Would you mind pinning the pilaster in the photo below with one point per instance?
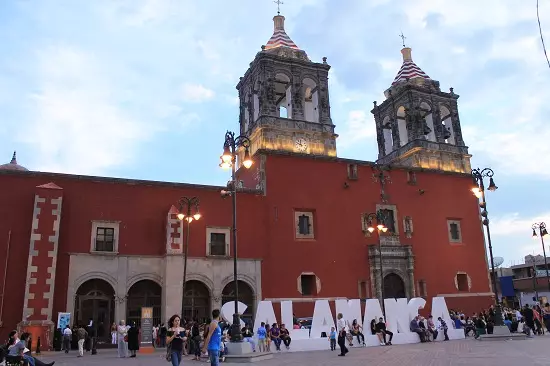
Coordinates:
(173, 285)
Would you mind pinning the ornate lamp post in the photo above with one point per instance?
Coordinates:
(541, 227)
(186, 204)
(229, 160)
(378, 219)
(478, 188)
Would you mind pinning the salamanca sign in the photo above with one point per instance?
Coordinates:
(399, 313)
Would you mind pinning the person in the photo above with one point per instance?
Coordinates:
(247, 336)
(262, 334)
(415, 328)
(268, 338)
(122, 334)
(382, 332)
(276, 336)
(213, 340)
(529, 317)
(332, 339)
(113, 333)
(357, 331)
(67, 334)
(18, 349)
(196, 340)
(341, 328)
(285, 336)
(432, 328)
(442, 325)
(133, 339)
(174, 339)
(81, 334)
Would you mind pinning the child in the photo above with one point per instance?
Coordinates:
(262, 334)
(443, 327)
(332, 339)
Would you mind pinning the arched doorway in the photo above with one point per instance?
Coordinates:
(95, 299)
(196, 301)
(246, 296)
(145, 293)
(394, 287)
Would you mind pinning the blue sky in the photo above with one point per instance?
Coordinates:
(146, 88)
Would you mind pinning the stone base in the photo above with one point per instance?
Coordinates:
(239, 348)
(38, 328)
(502, 333)
(249, 358)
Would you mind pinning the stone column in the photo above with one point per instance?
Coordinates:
(173, 285)
(38, 318)
(121, 290)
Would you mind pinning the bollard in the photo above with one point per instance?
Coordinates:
(38, 346)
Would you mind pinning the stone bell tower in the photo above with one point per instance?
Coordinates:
(284, 99)
(418, 124)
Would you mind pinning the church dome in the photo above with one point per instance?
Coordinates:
(12, 165)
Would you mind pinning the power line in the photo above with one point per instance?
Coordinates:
(541, 36)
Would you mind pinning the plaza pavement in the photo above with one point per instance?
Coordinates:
(531, 352)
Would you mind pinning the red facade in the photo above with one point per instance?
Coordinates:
(338, 254)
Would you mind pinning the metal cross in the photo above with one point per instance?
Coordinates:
(403, 38)
(278, 2)
(379, 176)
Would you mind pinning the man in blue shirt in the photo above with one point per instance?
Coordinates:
(213, 340)
(262, 334)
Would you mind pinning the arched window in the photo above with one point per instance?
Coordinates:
(246, 296)
(311, 100)
(196, 301)
(95, 300)
(283, 95)
(145, 293)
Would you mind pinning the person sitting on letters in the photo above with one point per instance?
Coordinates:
(416, 329)
(247, 336)
(285, 336)
(382, 331)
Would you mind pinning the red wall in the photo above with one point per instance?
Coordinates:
(142, 209)
(339, 254)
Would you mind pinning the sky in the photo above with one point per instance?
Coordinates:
(146, 88)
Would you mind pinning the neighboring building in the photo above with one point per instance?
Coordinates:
(531, 281)
(102, 248)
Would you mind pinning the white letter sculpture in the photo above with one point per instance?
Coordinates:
(372, 311)
(350, 309)
(397, 315)
(414, 305)
(228, 309)
(322, 319)
(264, 313)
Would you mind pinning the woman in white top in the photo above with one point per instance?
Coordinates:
(122, 334)
(341, 329)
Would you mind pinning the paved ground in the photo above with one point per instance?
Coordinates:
(532, 352)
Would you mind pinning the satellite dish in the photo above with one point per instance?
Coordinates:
(498, 261)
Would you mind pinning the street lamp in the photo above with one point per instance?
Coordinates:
(541, 227)
(186, 206)
(378, 219)
(478, 189)
(229, 160)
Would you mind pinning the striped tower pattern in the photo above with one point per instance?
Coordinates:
(174, 232)
(409, 70)
(279, 37)
(41, 266)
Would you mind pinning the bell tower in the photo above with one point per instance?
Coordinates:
(284, 99)
(418, 124)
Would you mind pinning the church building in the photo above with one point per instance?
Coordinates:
(102, 248)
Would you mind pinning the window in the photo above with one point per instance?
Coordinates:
(217, 244)
(411, 178)
(352, 171)
(389, 219)
(105, 239)
(422, 292)
(408, 226)
(304, 225)
(217, 241)
(308, 284)
(363, 291)
(104, 236)
(462, 282)
(455, 234)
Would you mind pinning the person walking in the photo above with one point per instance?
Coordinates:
(82, 334)
(67, 335)
(341, 328)
(133, 339)
(213, 340)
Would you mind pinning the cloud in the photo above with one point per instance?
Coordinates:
(76, 125)
(360, 126)
(196, 93)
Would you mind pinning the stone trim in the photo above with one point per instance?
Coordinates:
(115, 225)
(311, 216)
(317, 282)
(468, 279)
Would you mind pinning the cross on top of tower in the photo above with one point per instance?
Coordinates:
(278, 2)
(403, 38)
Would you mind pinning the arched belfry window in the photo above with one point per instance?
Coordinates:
(283, 95)
(311, 100)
